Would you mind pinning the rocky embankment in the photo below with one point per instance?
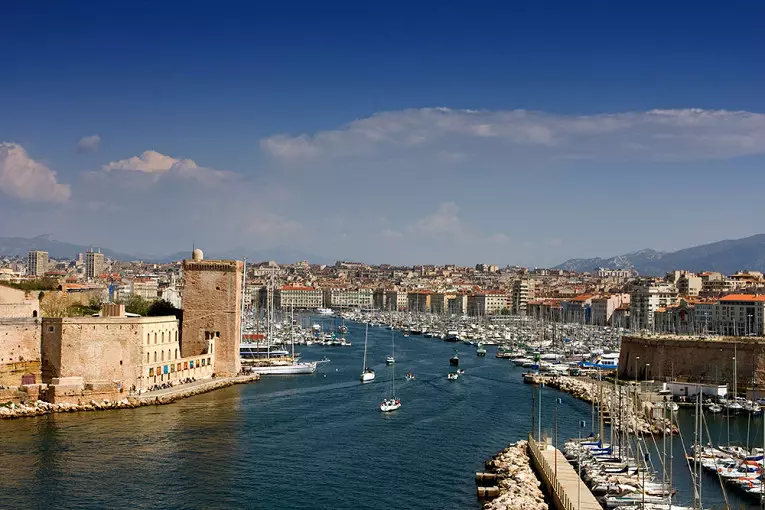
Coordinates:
(643, 422)
(518, 486)
(39, 407)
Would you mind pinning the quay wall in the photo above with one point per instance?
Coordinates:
(693, 359)
(19, 350)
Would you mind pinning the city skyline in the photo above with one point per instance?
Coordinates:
(494, 134)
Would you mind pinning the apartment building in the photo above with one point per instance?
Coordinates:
(37, 262)
(145, 288)
(298, 297)
(523, 291)
(602, 307)
(486, 303)
(455, 303)
(95, 264)
(646, 298)
(418, 301)
(740, 314)
(348, 298)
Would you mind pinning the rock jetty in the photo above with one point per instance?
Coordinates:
(643, 422)
(39, 407)
(518, 486)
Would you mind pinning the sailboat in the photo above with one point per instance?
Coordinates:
(367, 374)
(280, 367)
(391, 403)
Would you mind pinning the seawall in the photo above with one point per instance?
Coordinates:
(39, 407)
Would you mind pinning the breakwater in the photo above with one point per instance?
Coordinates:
(510, 481)
(622, 404)
(39, 407)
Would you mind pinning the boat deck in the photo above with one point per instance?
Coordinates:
(569, 491)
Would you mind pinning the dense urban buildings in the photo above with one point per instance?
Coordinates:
(94, 264)
(37, 264)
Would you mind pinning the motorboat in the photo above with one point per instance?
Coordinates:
(480, 350)
(390, 360)
(455, 359)
(452, 376)
(460, 372)
(391, 403)
(410, 376)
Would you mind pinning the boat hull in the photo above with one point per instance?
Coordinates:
(296, 369)
(367, 377)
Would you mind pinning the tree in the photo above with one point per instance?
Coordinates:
(137, 305)
(164, 308)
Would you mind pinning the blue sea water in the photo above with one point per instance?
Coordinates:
(302, 442)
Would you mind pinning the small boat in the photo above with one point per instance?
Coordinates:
(452, 376)
(390, 360)
(480, 350)
(391, 403)
(410, 376)
(367, 374)
(460, 372)
(715, 408)
(455, 359)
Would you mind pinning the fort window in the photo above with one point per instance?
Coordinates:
(176, 335)
(163, 337)
(155, 355)
(147, 358)
(120, 362)
(148, 338)
(34, 313)
(155, 337)
(163, 355)
(176, 354)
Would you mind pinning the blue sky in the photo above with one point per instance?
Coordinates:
(504, 132)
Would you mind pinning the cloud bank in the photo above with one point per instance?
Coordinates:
(26, 179)
(682, 134)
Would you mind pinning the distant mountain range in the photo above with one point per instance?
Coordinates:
(19, 246)
(727, 257)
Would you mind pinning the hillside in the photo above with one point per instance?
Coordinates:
(726, 257)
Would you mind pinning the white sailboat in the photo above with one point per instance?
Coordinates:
(292, 367)
(391, 403)
(367, 374)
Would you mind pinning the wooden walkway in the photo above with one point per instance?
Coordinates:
(568, 490)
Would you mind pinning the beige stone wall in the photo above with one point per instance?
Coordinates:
(112, 349)
(18, 303)
(19, 350)
(212, 299)
(694, 359)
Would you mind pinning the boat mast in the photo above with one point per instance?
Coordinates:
(393, 367)
(366, 336)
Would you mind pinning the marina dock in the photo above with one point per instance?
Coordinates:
(562, 483)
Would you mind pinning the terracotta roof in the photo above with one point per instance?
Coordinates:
(744, 297)
(296, 287)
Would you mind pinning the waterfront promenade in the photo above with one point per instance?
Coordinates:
(566, 490)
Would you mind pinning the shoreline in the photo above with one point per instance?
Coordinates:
(41, 408)
(510, 482)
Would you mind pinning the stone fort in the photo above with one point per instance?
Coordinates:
(694, 359)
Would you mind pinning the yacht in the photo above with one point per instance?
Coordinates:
(480, 350)
(390, 360)
(367, 374)
(391, 403)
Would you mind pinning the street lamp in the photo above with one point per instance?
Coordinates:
(579, 466)
(558, 401)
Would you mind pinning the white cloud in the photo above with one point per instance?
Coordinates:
(445, 221)
(154, 163)
(684, 134)
(89, 144)
(499, 238)
(27, 179)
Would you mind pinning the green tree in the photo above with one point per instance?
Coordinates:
(163, 308)
(136, 304)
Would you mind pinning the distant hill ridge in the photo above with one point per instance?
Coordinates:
(19, 246)
(727, 257)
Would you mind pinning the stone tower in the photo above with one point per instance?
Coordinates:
(212, 308)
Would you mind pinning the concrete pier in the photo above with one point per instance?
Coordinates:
(562, 484)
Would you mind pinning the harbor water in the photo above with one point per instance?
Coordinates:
(302, 442)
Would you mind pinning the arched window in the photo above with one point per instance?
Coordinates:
(148, 338)
(176, 354)
(155, 338)
(155, 355)
(163, 355)
(147, 358)
(168, 355)
(176, 335)
(34, 313)
(163, 337)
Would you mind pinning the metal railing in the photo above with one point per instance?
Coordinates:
(549, 473)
